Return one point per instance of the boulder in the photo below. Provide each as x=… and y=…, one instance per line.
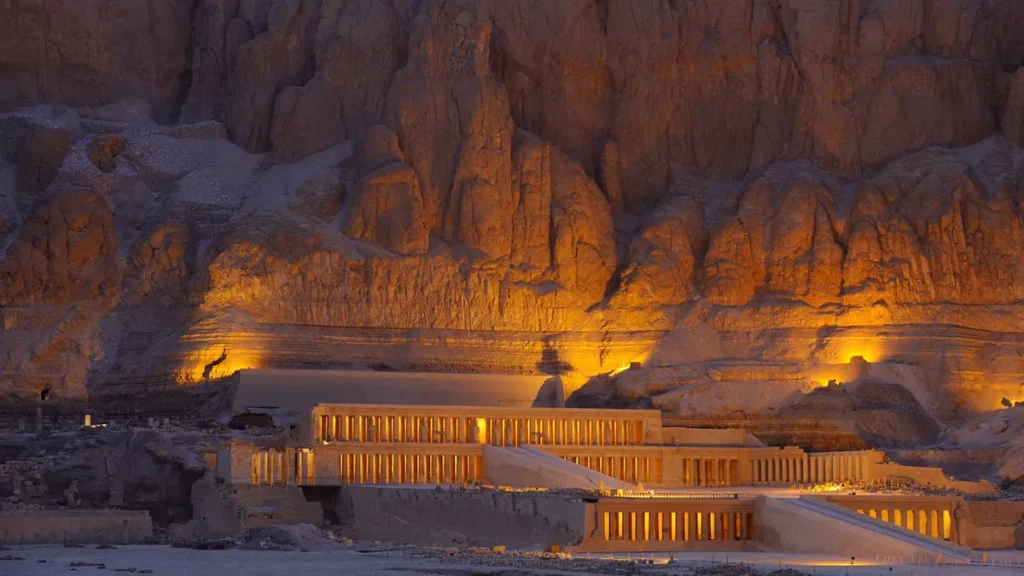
x=387, y=209
x=94, y=53
x=663, y=256
x=65, y=252
x=42, y=154
x=264, y=64
x=103, y=151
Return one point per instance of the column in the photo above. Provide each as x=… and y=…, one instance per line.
x=692, y=523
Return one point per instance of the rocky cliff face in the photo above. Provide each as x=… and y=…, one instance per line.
x=773, y=186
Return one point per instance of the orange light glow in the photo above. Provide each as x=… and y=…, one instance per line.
x=641, y=358
x=868, y=349
x=827, y=487
x=215, y=362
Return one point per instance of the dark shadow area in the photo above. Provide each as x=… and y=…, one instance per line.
x=550, y=363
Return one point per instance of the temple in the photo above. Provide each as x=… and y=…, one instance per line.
x=629, y=482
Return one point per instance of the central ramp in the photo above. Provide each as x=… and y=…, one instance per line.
x=526, y=467
x=810, y=525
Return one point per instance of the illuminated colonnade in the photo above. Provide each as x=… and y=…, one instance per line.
x=794, y=466
x=484, y=425
x=283, y=467
x=933, y=516
x=640, y=524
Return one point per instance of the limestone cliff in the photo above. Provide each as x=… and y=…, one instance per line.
x=743, y=194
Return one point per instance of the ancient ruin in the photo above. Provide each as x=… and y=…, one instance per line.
x=603, y=276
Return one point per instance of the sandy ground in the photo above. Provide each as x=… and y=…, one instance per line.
x=163, y=560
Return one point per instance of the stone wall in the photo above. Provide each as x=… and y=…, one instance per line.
x=996, y=525
x=75, y=526
x=929, y=477
x=442, y=517
x=222, y=510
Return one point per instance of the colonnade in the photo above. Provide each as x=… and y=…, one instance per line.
x=934, y=522
x=627, y=468
x=710, y=471
x=679, y=526
x=808, y=468
x=283, y=467
x=514, y=428
x=385, y=468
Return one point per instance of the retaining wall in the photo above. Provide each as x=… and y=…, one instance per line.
x=455, y=517
x=75, y=527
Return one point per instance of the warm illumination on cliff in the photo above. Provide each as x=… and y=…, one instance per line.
x=215, y=362
x=854, y=353
x=637, y=361
x=853, y=349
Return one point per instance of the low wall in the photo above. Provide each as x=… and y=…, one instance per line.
x=455, y=517
x=929, y=476
x=222, y=510
x=75, y=527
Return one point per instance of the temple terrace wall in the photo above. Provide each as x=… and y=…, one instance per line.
x=75, y=527
x=456, y=517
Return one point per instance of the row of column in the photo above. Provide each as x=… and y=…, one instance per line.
x=834, y=468
x=677, y=526
x=934, y=523
x=710, y=471
x=305, y=468
x=409, y=468
x=425, y=429
x=810, y=468
x=271, y=467
x=628, y=468
x=499, y=431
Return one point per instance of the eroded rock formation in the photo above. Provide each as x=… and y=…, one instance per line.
x=761, y=185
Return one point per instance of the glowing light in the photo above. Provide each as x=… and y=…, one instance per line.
x=622, y=368
x=216, y=362
x=637, y=362
x=827, y=487
x=855, y=349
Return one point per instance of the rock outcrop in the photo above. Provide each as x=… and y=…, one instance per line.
x=535, y=186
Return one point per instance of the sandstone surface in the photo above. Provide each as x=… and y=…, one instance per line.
x=192, y=188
